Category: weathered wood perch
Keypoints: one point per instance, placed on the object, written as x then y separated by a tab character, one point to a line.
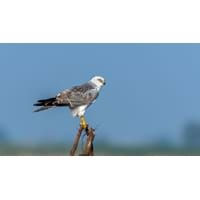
88	147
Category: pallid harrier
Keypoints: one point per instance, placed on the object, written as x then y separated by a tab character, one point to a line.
78	98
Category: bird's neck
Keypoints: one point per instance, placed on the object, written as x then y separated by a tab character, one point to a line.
97	86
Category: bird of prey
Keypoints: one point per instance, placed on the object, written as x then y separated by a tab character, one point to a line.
77	99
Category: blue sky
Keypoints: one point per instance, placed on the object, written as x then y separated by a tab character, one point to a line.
152	90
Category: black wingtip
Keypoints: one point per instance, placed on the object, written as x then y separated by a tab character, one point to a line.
41	109
46	100
37	104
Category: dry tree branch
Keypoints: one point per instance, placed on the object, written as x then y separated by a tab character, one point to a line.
76	141
89	147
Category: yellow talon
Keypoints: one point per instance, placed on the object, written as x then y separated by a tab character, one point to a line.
83	122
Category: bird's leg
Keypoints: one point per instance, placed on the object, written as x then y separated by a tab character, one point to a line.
83	122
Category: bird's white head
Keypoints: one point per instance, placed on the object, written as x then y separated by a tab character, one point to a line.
98	81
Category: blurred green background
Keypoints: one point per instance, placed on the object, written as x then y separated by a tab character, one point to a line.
190	146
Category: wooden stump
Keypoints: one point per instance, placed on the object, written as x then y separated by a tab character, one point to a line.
88	147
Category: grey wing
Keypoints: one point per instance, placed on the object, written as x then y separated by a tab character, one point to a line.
77	96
